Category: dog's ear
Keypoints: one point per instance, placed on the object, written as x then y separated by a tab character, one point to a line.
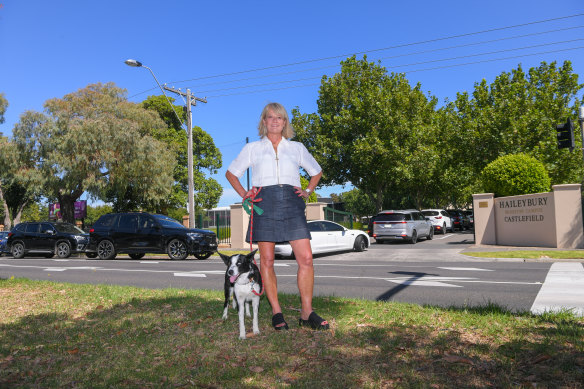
226	259
250	255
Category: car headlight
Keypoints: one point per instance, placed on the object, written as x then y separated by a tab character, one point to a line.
194	235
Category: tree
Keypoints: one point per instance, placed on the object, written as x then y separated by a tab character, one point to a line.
518	113
206	157
95	140
3	107
20	181
358	203
373	130
515	174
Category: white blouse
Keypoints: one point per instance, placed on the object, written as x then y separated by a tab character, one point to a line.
274	168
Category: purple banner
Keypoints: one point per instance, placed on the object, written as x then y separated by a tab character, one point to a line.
80	210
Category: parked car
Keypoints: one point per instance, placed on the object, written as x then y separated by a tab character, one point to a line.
3	240
459	219
440	220
138	233
328	237
46	238
408	225
470	215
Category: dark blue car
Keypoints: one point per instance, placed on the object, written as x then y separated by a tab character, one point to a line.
3	239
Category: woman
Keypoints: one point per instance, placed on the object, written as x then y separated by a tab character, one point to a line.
275	163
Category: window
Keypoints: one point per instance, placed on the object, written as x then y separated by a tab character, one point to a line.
392	217
314	227
32	228
128	223
106	221
332	227
146	222
45	227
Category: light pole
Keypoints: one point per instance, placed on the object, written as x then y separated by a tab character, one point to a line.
191	204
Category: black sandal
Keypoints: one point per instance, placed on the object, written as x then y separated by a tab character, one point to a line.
278	319
315	322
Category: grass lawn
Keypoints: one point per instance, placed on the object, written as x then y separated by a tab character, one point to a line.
55	335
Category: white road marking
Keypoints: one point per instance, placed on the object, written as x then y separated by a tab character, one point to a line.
196	275
563	288
465	268
148	262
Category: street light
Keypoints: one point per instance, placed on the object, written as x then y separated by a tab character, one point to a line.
191	204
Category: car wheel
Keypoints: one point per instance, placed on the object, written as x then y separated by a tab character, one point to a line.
430	235
91	255
106	250
203	255
136	255
17	250
444	229
177	249
360	244
414	238
63	250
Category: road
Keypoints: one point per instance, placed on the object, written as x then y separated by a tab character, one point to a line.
430	272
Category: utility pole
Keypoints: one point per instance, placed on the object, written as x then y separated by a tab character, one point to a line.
191	100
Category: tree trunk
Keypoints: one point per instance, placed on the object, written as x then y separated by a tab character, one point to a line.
19	212
67	203
7	221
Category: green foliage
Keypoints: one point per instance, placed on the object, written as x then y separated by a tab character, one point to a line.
358	203
517	174
94	212
206	158
372	129
94	140
3	106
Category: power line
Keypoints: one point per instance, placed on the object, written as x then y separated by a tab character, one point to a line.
395	66
384	48
408	71
396	56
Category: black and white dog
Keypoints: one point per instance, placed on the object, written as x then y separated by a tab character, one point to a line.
243	279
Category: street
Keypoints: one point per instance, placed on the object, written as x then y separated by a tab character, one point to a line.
427	273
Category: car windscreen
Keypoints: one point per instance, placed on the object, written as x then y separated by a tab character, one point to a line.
168	222
430	213
390	217
68	228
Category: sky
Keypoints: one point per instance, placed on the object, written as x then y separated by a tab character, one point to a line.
242	55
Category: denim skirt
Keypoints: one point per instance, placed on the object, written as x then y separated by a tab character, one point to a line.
283	219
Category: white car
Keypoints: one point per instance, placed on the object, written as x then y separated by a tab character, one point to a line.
328	237
440	219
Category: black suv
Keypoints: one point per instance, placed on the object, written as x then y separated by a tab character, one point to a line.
46	238
138	233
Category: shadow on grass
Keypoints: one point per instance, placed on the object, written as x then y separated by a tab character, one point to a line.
175	338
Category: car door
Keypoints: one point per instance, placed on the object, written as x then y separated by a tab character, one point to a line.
319	237
341	239
149	231
47	237
422	224
125	235
30	236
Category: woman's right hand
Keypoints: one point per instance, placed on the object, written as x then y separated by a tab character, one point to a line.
250	193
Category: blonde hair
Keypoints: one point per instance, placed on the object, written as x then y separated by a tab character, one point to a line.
278	109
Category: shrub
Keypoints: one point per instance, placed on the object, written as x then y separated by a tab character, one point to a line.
516	174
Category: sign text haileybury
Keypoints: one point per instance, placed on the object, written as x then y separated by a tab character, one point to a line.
524	210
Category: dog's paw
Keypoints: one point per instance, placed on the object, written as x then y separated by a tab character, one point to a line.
242	337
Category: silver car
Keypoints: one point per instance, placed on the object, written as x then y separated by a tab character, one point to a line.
408	225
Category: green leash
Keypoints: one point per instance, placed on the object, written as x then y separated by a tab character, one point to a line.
248	205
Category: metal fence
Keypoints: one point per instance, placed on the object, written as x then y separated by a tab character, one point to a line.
341	217
217	220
